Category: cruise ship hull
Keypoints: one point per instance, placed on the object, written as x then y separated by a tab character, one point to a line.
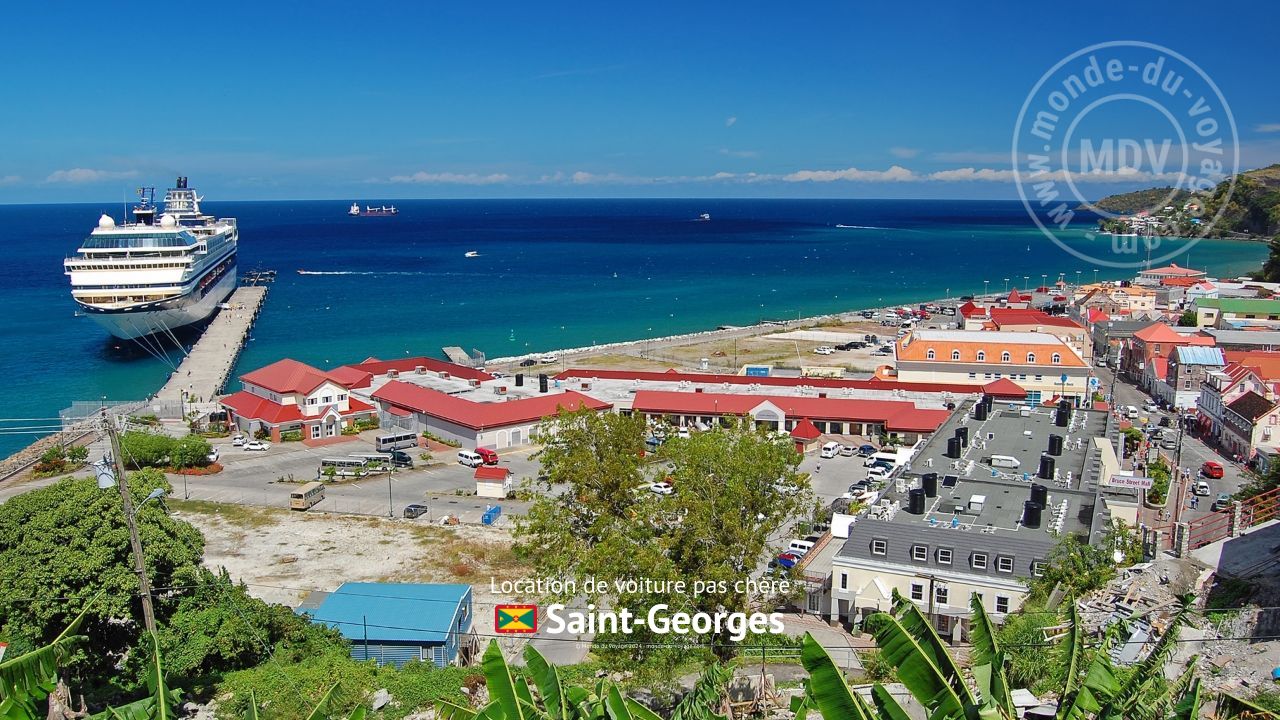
188	309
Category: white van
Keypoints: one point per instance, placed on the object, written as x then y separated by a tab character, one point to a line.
470	458
1004	461
1131	412
830	450
877	473
800	547
881	457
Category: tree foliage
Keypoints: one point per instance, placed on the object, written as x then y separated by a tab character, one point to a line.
190	451
599	520
145	449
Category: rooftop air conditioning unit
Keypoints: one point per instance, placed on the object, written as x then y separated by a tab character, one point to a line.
474	383
393	373
444	375
500	389
420	369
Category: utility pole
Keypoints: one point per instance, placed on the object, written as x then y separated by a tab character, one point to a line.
391	508
135	542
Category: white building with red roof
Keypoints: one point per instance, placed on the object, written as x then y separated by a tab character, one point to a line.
288	395
496	423
1153	276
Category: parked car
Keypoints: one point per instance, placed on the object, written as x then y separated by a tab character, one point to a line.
823	350
848	450
239	440
1222	502
548	359
829	450
1201	488
1211	469
866	450
257	445
488	456
786	561
1151	407
683	433
879	472
1166	421
213	455
528	362
662	487
415	510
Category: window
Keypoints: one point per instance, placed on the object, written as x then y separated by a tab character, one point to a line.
1056	359
1002	604
1031	358
1039	378
978	561
973	375
944	556
940	594
1037	568
919	553
814	604
342	396
917	592
879	547
982	356
1004	563
315	431
311	401
844	581
955	354
929	355
1005	356
326	399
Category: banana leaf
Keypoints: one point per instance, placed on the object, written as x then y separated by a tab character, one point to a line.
547	679
502	686
914	622
887	705
827	687
30	677
917	670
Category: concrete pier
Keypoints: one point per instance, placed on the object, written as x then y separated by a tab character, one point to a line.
458	356
206	369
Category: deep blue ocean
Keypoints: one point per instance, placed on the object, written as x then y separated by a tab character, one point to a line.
550	274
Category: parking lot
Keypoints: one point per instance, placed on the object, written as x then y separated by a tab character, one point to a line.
265	478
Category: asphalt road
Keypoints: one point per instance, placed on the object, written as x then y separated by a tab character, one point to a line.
1194	454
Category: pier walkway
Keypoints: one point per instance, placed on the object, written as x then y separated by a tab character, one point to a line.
205	371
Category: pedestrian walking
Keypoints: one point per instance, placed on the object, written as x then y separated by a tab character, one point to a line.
818	469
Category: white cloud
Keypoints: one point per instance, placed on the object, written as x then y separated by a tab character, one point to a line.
10	180
970	174
730	121
447	178
86	175
896	173
904	152
739	153
1268	128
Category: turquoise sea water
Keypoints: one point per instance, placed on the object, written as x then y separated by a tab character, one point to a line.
550	274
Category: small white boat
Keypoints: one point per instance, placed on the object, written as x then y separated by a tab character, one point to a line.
472	253
704	217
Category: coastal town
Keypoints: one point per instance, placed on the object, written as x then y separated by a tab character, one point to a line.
950	446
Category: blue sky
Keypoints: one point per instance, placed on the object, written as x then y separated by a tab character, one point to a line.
571	99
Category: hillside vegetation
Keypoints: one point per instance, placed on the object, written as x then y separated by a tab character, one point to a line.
1252	209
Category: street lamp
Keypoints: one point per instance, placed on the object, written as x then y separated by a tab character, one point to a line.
1006	286
985	283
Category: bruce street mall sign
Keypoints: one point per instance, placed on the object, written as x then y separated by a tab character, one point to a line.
557	618
1130	481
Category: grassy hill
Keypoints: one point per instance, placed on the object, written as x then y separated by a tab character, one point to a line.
1253	208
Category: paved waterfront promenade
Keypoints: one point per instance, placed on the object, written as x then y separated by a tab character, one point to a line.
206	368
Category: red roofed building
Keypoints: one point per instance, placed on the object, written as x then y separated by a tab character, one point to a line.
406	366
1157	340
806	435
837	416
474	424
493	481
673	375
1068	330
1156	275
288	395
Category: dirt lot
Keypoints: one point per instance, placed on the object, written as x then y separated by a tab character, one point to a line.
283	555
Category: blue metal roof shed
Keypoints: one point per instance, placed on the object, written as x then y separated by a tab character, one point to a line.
394	623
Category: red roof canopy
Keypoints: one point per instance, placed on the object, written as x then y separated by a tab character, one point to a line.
805	430
492	472
713	379
481	415
893	414
374	366
1004	388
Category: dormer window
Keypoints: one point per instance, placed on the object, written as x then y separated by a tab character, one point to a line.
929	355
982	356
1005	357
1057	359
955	354
1031	358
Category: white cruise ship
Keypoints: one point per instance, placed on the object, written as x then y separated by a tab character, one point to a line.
158	272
